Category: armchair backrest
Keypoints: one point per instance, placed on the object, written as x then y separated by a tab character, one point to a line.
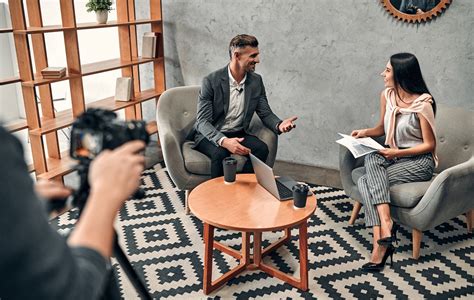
455	135
176	110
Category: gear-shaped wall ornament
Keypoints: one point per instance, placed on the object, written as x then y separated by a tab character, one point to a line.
415	17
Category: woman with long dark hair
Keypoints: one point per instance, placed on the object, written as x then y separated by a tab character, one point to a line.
407	113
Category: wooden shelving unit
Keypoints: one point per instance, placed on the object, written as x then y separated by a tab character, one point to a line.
29	41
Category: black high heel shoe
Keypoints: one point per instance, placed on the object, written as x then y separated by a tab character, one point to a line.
388	241
373	267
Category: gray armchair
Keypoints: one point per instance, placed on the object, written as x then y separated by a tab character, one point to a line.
424	205
176	115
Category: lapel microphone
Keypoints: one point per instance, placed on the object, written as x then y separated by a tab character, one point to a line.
240	90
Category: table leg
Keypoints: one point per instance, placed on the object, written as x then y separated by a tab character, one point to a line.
303	228
302	282
208	285
245	260
257	248
208	248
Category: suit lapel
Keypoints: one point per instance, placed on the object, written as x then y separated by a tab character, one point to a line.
225	89
248	92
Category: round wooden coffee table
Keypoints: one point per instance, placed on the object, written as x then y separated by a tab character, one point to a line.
247	207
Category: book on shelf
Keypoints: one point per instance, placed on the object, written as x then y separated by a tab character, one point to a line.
152	46
359	147
53	72
123	89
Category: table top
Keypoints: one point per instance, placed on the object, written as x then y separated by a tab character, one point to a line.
245	206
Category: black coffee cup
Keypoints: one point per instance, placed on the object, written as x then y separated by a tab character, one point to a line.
230	169
300	193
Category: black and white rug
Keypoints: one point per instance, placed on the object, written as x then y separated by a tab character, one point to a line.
165	247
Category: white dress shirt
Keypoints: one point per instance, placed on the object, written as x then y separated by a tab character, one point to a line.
235	114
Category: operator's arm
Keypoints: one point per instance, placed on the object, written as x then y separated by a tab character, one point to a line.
113	177
35	261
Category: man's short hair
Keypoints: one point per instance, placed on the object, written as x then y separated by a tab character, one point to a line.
242	41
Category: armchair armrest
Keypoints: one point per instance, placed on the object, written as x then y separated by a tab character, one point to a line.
450	194
347	163
173	157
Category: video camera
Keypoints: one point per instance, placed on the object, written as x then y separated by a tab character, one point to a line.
98	129
94	131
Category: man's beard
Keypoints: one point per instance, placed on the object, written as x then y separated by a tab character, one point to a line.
251	68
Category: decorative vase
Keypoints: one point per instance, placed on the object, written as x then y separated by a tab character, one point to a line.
102	16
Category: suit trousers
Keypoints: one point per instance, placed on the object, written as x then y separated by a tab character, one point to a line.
217	153
381	173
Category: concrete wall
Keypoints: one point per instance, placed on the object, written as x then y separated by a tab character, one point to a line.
321	60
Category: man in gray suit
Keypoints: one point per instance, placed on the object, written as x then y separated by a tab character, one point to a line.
227	101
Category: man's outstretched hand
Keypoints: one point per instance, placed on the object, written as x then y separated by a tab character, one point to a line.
287	124
234	146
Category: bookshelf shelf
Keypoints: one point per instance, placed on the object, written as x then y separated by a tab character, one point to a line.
91	69
83	26
43	29
6	30
39	80
113	64
16	125
59	167
80	26
9	80
48	161
65	118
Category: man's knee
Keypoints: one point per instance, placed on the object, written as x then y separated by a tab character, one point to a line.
262	150
220	154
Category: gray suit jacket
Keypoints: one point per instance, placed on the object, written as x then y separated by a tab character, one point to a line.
213	103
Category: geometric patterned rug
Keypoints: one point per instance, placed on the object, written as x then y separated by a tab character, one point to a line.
165	246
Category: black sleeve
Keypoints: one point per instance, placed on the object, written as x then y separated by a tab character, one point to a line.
35	261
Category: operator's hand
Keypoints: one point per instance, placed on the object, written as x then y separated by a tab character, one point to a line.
419	11
287	125
389	153
49	189
359	133
234	146
115	175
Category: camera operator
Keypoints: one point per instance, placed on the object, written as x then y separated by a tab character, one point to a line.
35	261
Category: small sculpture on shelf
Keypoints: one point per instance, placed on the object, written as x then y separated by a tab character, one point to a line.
101	9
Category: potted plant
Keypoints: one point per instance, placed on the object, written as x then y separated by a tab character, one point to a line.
101	9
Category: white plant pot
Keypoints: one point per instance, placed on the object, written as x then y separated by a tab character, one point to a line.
102	16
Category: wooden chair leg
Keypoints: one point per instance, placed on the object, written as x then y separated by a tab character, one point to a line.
355	212
469	220
416	239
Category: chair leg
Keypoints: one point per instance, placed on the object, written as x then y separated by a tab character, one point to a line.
416	237
355	212
469	220
186	206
